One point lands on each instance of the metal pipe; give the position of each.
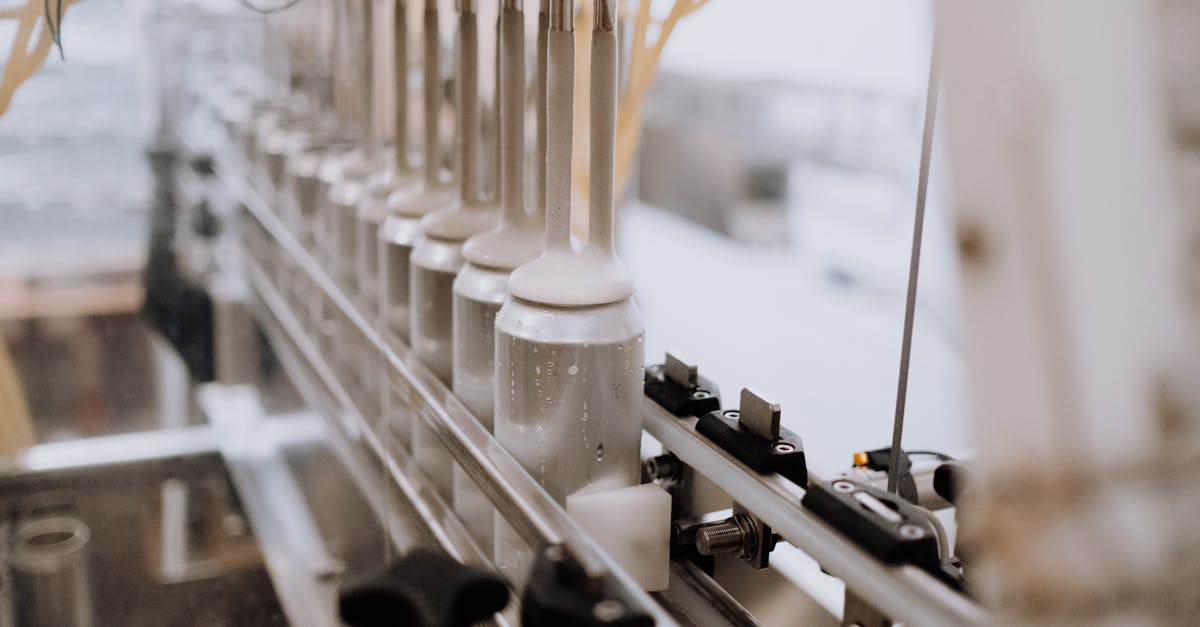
(50, 573)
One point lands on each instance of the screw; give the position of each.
(911, 532)
(555, 553)
(732, 413)
(783, 447)
(608, 610)
(701, 393)
(843, 486)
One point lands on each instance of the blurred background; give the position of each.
(768, 223)
(779, 150)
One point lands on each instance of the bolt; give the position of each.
(783, 447)
(661, 467)
(911, 532)
(701, 393)
(555, 553)
(732, 413)
(608, 610)
(843, 486)
(720, 539)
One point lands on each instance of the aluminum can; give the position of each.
(478, 294)
(397, 237)
(569, 393)
(432, 269)
(568, 401)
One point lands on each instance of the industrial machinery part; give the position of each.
(753, 435)
(423, 589)
(50, 572)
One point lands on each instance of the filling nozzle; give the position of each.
(603, 128)
(562, 16)
(400, 74)
(468, 101)
(432, 96)
(512, 112)
(604, 15)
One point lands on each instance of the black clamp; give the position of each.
(423, 589)
(680, 390)
(560, 594)
(752, 434)
(884, 524)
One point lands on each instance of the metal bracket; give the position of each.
(759, 415)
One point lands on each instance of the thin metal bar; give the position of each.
(906, 594)
(914, 266)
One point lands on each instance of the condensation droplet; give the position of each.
(600, 452)
(573, 370)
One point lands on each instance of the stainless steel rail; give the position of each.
(516, 496)
(906, 594)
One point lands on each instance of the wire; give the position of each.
(939, 530)
(931, 99)
(268, 10)
(940, 456)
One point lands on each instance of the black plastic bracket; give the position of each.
(752, 434)
(560, 593)
(884, 524)
(680, 390)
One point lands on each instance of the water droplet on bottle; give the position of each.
(573, 370)
(600, 453)
(537, 370)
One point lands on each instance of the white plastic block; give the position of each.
(633, 525)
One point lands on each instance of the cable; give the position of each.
(942, 457)
(931, 99)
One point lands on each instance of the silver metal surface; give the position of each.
(906, 593)
(432, 269)
(562, 15)
(397, 237)
(758, 414)
(49, 560)
(568, 390)
(680, 371)
(478, 294)
(695, 595)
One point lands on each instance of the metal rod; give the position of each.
(914, 266)
(400, 72)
